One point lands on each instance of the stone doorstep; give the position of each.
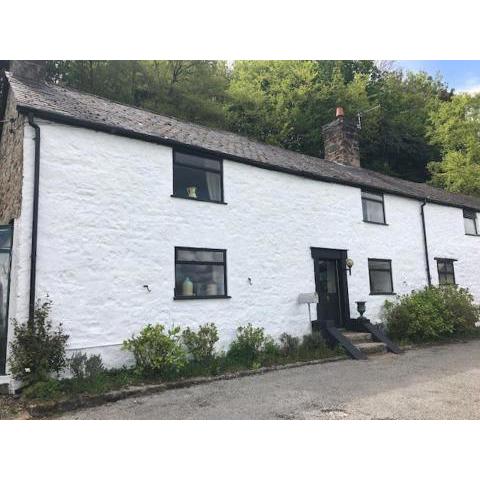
(52, 407)
(357, 337)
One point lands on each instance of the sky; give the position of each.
(462, 75)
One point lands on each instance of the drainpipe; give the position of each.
(427, 261)
(36, 182)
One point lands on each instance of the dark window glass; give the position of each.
(380, 272)
(200, 273)
(446, 272)
(5, 245)
(470, 221)
(373, 207)
(197, 178)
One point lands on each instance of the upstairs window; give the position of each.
(373, 207)
(380, 271)
(200, 273)
(446, 272)
(197, 177)
(470, 221)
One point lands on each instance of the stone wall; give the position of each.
(11, 156)
(341, 142)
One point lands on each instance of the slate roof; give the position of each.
(71, 106)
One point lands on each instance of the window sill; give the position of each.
(382, 293)
(376, 223)
(473, 234)
(199, 200)
(201, 297)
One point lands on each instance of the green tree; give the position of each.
(455, 128)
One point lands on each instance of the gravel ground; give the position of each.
(441, 382)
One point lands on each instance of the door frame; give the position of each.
(341, 257)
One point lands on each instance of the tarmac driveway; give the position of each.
(440, 382)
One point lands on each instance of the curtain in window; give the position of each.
(214, 186)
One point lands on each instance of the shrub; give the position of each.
(43, 390)
(156, 351)
(313, 341)
(249, 346)
(430, 314)
(289, 344)
(38, 348)
(94, 366)
(77, 364)
(201, 344)
(83, 366)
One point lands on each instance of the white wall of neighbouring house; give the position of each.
(108, 226)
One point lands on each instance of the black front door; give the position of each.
(331, 286)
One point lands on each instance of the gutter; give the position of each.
(124, 132)
(425, 243)
(36, 183)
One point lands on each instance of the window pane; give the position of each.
(373, 211)
(470, 226)
(199, 256)
(446, 279)
(199, 280)
(381, 281)
(372, 196)
(5, 237)
(4, 276)
(379, 265)
(195, 160)
(199, 184)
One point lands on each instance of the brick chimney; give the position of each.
(34, 70)
(341, 140)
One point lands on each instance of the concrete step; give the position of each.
(357, 337)
(370, 348)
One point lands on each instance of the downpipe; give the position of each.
(425, 243)
(36, 183)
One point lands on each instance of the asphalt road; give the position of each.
(440, 382)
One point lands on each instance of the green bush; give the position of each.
(201, 344)
(289, 344)
(38, 348)
(44, 390)
(156, 351)
(83, 366)
(430, 314)
(251, 346)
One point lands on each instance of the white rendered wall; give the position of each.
(108, 226)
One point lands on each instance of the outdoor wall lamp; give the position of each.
(361, 308)
(349, 264)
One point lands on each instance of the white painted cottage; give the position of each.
(125, 217)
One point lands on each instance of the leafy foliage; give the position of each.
(82, 366)
(455, 128)
(432, 313)
(38, 348)
(249, 346)
(201, 344)
(157, 351)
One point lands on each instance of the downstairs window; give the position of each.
(380, 272)
(200, 273)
